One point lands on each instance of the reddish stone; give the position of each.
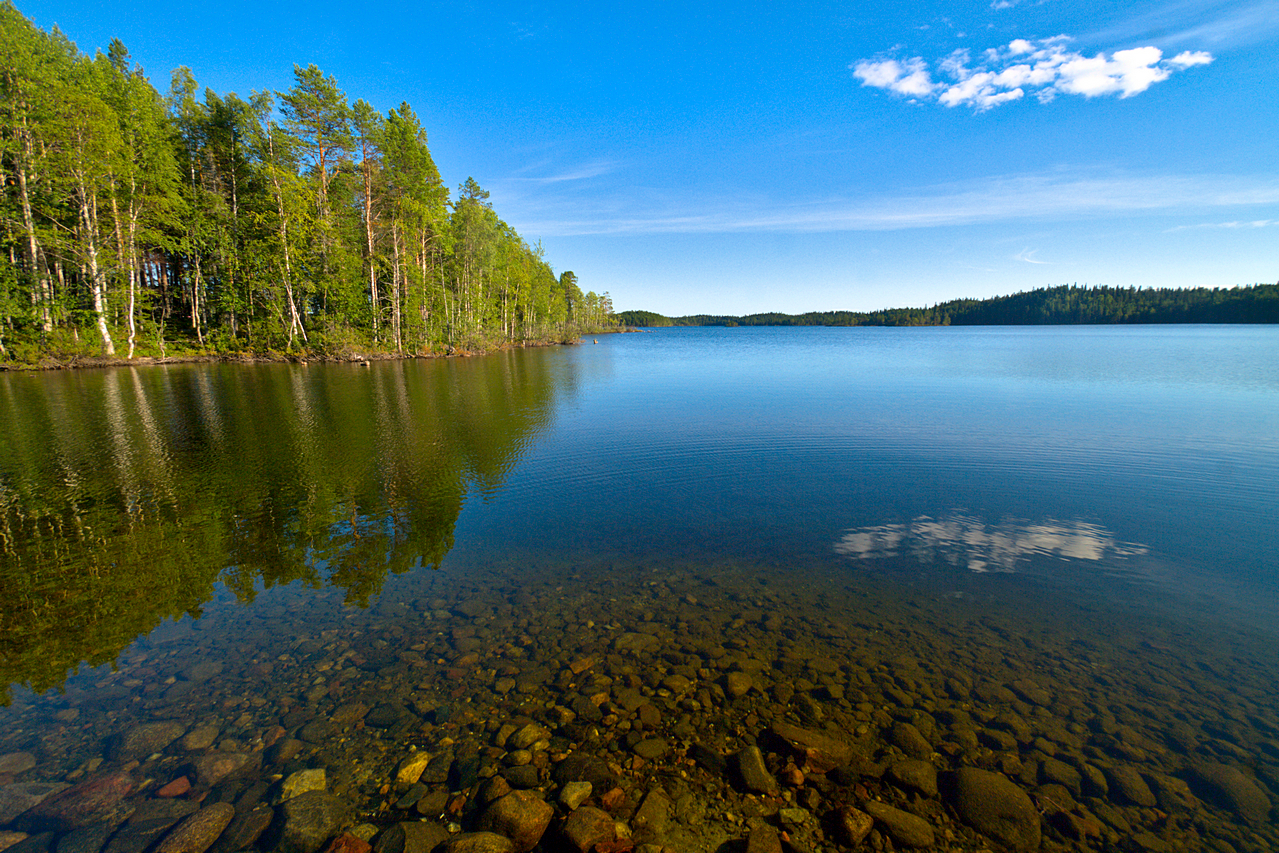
(620, 845)
(348, 843)
(587, 827)
(613, 799)
(176, 788)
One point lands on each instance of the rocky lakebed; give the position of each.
(653, 709)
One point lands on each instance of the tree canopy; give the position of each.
(194, 221)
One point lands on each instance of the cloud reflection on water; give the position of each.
(964, 540)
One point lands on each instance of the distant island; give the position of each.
(1049, 306)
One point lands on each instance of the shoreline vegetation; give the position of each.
(141, 227)
(1049, 306)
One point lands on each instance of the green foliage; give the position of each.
(195, 222)
(1064, 305)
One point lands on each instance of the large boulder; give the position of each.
(304, 823)
(197, 833)
(521, 816)
(1229, 787)
(97, 800)
(994, 806)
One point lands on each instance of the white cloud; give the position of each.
(908, 78)
(1190, 58)
(1028, 255)
(1044, 67)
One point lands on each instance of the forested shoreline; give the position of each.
(194, 224)
(1062, 305)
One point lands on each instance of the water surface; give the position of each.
(1070, 525)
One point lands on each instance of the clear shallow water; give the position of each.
(928, 493)
(777, 443)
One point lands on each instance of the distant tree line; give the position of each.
(1063, 305)
(138, 222)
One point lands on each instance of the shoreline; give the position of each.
(50, 363)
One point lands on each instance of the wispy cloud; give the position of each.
(1220, 24)
(1044, 68)
(1028, 255)
(576, 173)
(1235, 224)
(1003, 198)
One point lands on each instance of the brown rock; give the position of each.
(16, 798)
(738, 684)
(903, 827)
(909, 740)
(993, 805)
(650, 818)
(8, 839)
(409, 770)
(348, 843)
(1127, 782)
(348, 713)
(214, 767)
(141, 741)
(96, 800)
(478, 842)
(201, 737)
(588, 826)
(423, 836)
(1229, 787)
(521, 816)
(763, 840)
(198, 832)
(914, 774)
(853, 824)
(304, 823)
(821, 752)
(752, 771)
(16, 762)
(245, 829)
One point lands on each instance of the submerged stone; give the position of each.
(994, 806)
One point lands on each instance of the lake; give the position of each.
(858, 586)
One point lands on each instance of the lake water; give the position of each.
(1046, 552)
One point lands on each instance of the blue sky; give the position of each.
(744, 157)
